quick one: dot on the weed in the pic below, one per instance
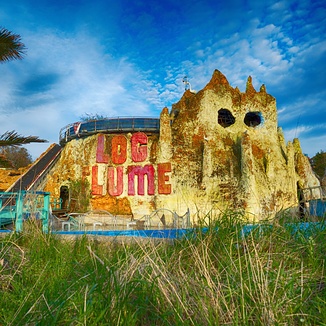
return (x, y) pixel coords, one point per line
(273, 275)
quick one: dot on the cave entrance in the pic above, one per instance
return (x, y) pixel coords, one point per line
(301, 199)
(64, 197)
(253, 119)
(225, 118)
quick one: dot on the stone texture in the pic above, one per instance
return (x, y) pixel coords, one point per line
(239, 167)
(245, 166)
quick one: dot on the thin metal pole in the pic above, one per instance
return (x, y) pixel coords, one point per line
(19, 212)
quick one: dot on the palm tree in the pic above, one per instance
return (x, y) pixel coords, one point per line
(12, 138)
(11, 46)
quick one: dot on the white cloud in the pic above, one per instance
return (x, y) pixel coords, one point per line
(89, 81)
(290, 134)
(312, 145)
(301, 108)
(272, 43)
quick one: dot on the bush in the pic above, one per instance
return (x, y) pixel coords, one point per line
(80, 194)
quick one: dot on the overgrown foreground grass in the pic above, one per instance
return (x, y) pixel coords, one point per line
(273, 276)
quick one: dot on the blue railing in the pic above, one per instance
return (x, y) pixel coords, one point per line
(15, 207)
(305, 229)
(110, 125)
(317, 207)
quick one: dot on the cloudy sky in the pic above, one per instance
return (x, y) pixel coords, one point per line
(128, 58)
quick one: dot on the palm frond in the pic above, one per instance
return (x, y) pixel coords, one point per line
(12, 138)
(11, 46)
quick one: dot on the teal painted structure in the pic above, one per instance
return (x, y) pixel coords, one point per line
(317, 207)
(16, 207)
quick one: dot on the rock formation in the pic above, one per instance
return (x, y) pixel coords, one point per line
(216, 149)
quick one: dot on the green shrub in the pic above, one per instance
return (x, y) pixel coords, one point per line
(80, 195)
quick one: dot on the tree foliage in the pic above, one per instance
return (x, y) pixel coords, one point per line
(12, 138)
(17, 157)
(80, 195)
(319, 163)
(92, 116)
(11, 47)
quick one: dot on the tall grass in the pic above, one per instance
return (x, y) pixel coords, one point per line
(272, 276)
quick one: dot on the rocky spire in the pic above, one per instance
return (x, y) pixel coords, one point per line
(249, 87)
(262, 88)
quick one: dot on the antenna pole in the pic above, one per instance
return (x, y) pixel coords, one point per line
(187, 83)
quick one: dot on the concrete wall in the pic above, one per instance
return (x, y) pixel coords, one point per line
(217, 149)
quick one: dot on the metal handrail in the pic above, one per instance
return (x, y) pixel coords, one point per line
(17, 206)
(312, 193)
(109, 125)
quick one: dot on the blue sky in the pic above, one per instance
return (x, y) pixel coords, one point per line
(128, 58)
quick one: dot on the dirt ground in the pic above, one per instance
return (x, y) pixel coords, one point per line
(9, 176)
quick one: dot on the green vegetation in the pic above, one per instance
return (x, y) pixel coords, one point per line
(80, 192)
(273, 276)
(11, 48)
(319, 164)
(92, 116)
(17, 157)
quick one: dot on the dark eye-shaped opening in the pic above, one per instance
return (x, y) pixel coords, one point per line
(253, 119)
(225, 118)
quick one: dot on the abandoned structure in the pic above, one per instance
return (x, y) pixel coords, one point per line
(215, 150)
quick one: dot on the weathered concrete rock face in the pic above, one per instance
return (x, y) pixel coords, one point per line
(217, 149)
(236, 154)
